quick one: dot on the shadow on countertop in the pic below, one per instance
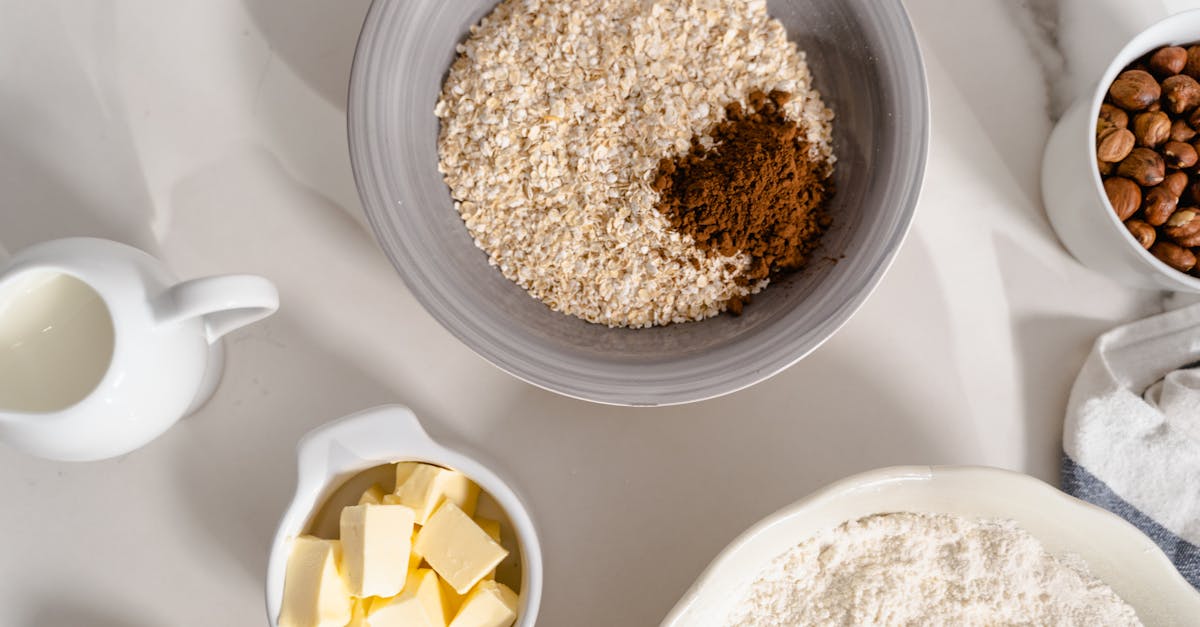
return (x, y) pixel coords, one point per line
(64, 612)
(663, 490)
(97, 187)
(316, 39)
(235, 460)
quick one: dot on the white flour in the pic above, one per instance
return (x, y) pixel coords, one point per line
(922, 569)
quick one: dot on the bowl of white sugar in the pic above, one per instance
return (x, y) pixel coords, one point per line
(639, 202)
(939, 546)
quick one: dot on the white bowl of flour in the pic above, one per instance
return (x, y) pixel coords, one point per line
(939, 545)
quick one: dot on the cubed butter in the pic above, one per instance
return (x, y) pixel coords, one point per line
(404, 470)
(452, 599)
(427, 487)
(314, 593)
(419, 605)
(489, 604)
(414, 558)
(373, 496)
(489, 526)
(456, 548)
(358, 613)
(492, 527)
(376, 547)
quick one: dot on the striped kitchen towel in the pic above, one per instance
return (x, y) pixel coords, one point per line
(1132, 433)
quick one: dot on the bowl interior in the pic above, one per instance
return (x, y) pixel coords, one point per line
(1113, 550)
(867, 66)
(326, 519)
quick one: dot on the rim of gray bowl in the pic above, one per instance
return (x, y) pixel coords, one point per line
(912, 141)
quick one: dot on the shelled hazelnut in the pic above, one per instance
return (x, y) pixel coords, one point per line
(1124, 195)
(1158, 206)
(1181, 131)
(1184, 227)
(1148, 153)
(1179, 155)
(1151, 128)
(1142, 232)
(1168, 61)
(1135, 90)
(1145, 166)
(1115, 145)
(1176, 182)
(1174, 255)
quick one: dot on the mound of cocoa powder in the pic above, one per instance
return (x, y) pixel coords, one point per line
(756, 190)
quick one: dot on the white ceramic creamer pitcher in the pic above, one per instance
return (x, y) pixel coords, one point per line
(102, 350)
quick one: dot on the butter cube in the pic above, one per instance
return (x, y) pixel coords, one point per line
(489, 604)
(376, 546)
(373, 496)
(427, 487)
(414, 558)
(404, 470)
(314, 593)
(419, 605)
(452, 599)
(358, 613)
(492, 527)
(457, 548)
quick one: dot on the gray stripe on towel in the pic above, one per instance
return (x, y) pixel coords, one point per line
(1080, 483)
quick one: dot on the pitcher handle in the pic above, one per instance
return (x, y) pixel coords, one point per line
(225, 303)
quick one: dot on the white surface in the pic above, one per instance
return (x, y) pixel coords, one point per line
(211, 133)
(382, 435)
(1114, 550)
(1073, 192)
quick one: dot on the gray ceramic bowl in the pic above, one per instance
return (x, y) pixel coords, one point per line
(867, 66)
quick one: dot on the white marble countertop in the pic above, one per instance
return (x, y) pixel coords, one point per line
(211, 133)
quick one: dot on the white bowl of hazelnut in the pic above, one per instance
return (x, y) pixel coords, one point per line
(1120, 176)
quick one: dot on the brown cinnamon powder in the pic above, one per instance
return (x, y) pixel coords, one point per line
(756, 190)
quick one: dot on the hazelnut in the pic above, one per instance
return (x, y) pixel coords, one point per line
(1155, 106)
(1174, 255)
(1178, 154)
(1142, 232)
(1134, 90)
(1151, 128)
(1124, 195)
(1176, 183)
(1181, 92)
(1168, 61)
(1181, 132)
(1192, 67)
(1181, 218)
(1106, 168)
(1116, 145)
(1158, 205)
(1183, 227)
(1144, 166)
(1113, 117)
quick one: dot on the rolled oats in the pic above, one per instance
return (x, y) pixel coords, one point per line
(554, 118)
